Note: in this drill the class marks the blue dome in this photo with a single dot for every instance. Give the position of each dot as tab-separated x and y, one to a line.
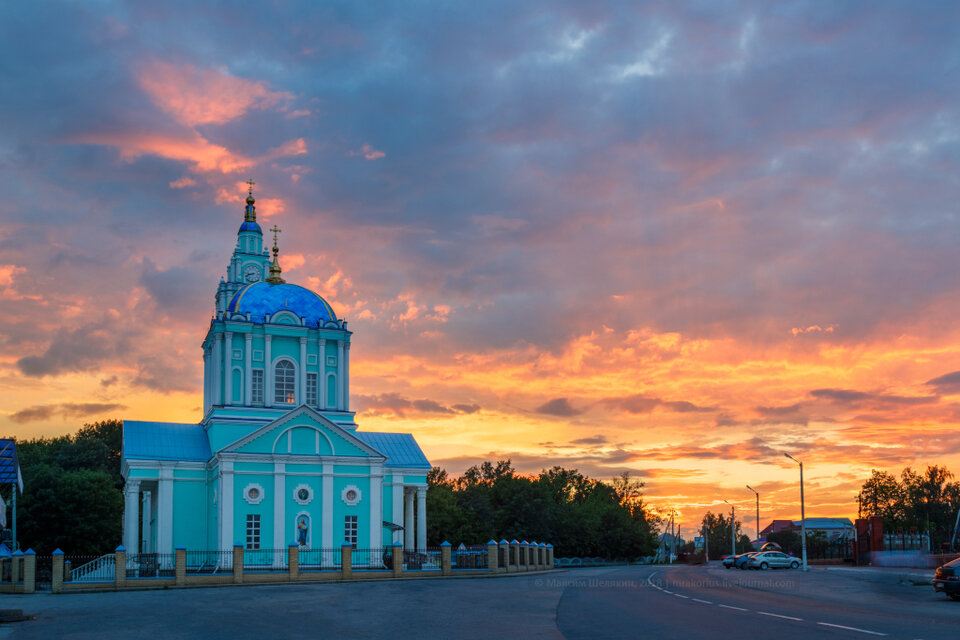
249	225
266	298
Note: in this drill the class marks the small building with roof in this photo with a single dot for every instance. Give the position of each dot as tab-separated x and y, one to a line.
277	457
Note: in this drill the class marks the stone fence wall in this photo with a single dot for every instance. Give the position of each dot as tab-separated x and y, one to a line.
121	570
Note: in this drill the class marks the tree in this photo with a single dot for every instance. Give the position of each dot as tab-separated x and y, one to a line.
717	528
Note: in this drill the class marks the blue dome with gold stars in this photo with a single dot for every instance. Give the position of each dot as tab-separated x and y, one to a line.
261	299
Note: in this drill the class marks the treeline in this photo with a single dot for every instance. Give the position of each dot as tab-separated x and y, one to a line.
579	516
72	491
926	501
716	528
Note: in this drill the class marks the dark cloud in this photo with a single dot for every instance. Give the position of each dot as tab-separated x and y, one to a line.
646	404
558	407
947	383
590	440
847	396
82	349
399	405
65	410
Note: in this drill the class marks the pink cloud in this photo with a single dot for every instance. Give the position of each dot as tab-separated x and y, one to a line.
368	152
193	148
205	96
185	181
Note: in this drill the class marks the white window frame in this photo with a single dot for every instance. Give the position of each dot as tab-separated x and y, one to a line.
351	530
253	531
312	395
279	398
256	390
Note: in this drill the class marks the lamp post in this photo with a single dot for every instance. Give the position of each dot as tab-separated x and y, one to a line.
758	515
803	522
733	529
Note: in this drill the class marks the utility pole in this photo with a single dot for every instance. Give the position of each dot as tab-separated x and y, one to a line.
733	529
758	515
803	521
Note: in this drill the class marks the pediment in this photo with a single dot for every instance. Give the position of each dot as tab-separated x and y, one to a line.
303	431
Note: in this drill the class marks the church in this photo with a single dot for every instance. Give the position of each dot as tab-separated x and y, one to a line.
277	458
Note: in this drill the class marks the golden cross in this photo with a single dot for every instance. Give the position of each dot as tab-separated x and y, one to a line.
275	230
250	183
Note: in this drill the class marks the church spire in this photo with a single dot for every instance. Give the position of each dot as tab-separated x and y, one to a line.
275	267
250	213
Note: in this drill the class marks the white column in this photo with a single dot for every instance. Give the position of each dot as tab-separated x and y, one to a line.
322	372
145	532
376	507
421	518
279	516
228	368
302	398
217	366
267	372
131	516
326	524
248	368
408	520
346	377
226	505
206	380
339	375
165	511
397	506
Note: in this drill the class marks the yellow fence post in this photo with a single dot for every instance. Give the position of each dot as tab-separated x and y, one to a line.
446	564
180	566
346	561
120	567
237	564
492	555
397	559
56	571
293	562
29	571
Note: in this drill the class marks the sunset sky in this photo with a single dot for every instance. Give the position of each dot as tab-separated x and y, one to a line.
609	236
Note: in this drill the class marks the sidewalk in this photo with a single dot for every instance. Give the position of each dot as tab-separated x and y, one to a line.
883	574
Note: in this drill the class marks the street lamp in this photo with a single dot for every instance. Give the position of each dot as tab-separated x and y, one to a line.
758	514
803	522
733	529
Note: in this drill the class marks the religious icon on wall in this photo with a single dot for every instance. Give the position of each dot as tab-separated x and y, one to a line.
303	529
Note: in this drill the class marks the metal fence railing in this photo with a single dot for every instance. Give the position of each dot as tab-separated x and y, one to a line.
265	560
320	559
209	562
369	559
90	568
469	558
151	565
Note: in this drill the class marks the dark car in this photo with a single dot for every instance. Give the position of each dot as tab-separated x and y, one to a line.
947	579
740	562
727	561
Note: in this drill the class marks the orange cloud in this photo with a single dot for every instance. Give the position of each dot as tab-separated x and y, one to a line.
190	147
183	182
368	152
204	96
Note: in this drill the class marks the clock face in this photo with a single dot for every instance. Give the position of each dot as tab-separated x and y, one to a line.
251	273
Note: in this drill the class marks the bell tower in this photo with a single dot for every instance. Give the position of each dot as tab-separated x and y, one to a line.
250	262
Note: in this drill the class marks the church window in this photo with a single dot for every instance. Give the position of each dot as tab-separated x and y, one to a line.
256	395
350	530
253	531
312	389
286	381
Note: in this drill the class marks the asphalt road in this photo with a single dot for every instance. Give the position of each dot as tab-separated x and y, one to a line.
614	602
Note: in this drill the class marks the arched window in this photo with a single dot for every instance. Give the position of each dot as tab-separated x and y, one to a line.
285	384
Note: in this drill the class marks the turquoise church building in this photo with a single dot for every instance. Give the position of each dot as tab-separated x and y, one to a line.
277	458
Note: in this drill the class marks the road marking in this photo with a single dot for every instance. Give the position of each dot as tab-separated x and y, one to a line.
670	592
699	600
680	596
840	626
726	606
777	615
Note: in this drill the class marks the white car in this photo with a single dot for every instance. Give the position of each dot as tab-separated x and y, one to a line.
773	560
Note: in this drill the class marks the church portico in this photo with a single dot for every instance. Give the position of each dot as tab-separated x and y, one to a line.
277	458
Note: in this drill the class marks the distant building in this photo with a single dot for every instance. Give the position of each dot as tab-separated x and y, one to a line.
832	528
